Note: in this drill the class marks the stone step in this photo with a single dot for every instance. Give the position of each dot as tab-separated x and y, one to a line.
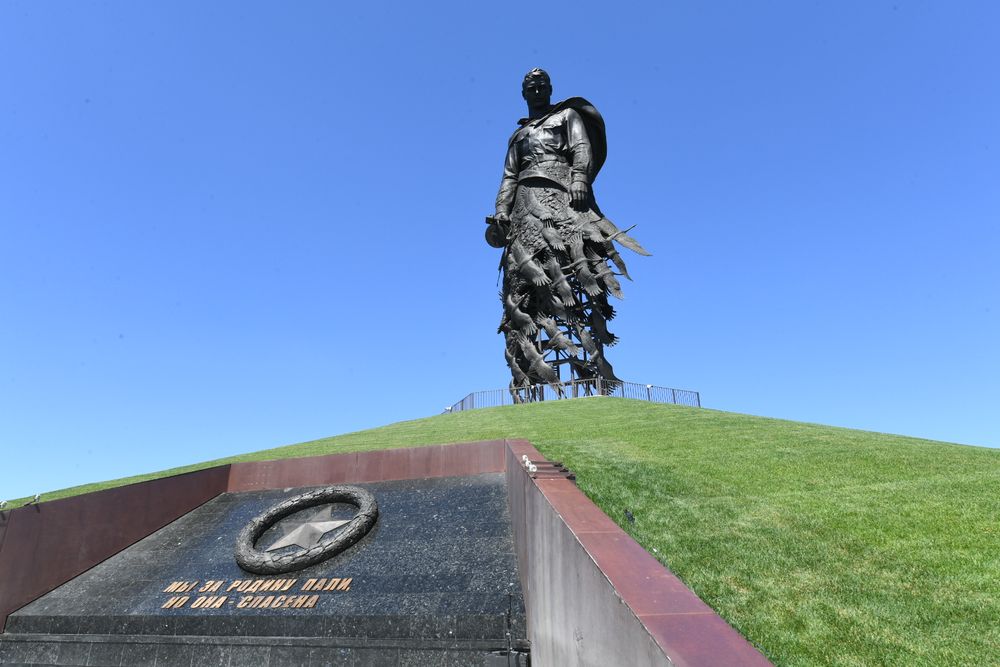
194	650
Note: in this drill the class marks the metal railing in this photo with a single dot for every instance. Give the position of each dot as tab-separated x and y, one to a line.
576	389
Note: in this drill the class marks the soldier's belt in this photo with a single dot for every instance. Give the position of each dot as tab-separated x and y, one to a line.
553	170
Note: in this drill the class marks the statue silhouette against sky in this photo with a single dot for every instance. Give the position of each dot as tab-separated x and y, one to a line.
556	243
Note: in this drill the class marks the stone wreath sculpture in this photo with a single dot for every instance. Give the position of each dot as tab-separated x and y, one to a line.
261	562
557	245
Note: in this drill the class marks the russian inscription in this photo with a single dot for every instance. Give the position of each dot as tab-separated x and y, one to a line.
203	596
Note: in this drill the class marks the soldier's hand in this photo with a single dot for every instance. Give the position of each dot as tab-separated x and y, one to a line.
501	218
578	192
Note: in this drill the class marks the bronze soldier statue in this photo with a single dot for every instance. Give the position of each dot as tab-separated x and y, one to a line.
557	244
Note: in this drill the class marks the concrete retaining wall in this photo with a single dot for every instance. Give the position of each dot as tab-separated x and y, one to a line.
593	595
574	615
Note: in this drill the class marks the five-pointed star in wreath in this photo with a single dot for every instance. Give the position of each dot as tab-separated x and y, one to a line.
307	533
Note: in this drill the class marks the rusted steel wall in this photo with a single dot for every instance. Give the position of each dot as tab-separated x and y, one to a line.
469	458
4	518
47	544
593	595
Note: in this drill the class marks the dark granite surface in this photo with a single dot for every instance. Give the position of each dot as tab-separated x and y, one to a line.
151	652
433	575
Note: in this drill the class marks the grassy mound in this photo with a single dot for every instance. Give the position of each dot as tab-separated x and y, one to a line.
823	546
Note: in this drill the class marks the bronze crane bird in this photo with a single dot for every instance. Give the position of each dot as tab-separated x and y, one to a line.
604	368
622	237
604	274
559	283
518	318
519	378
536	362
557	339
587	279
612	253
556	308
581	266
586	340
523	262
606	309
553	238
600	328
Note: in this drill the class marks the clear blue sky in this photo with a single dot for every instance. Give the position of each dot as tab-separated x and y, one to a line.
234	225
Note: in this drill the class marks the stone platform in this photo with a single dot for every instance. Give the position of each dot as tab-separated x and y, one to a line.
434	583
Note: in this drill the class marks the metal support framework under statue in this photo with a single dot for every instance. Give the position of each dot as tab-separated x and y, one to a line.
557	245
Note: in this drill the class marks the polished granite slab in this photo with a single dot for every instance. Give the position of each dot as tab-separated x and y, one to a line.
434	582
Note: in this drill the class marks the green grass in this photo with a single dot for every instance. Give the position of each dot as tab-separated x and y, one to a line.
823	546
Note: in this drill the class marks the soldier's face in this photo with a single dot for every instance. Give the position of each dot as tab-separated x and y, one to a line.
536	91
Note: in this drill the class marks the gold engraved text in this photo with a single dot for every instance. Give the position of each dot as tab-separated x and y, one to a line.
277	602
180	587
327	585
209	602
